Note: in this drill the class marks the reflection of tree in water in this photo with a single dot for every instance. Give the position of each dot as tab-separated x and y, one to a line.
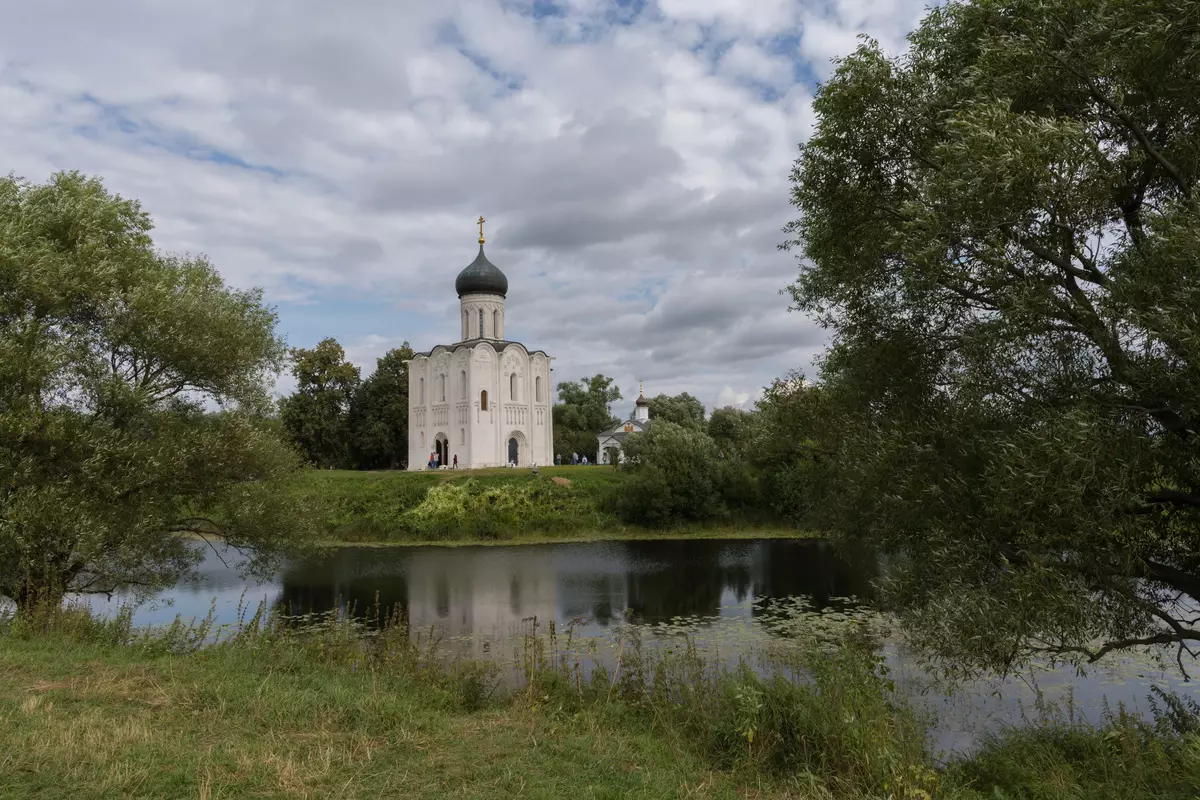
814	569
682	578
596	596
322	585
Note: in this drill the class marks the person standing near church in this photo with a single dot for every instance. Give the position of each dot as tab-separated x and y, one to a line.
456	460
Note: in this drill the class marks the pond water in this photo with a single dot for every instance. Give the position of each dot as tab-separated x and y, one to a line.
728	595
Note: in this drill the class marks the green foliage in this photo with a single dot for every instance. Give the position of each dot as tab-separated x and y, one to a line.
378	416
676	476
1003	231
1125	758
731	429
109	352
784	448
582	411
317	416
489	511
681	409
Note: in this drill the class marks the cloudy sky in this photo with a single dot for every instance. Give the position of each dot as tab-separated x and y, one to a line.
631	157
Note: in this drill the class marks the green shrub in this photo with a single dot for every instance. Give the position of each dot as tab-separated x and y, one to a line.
676	476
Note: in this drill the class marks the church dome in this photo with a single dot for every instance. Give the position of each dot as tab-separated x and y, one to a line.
481	277
641	401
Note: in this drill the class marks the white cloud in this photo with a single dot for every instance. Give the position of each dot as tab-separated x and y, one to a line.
631	158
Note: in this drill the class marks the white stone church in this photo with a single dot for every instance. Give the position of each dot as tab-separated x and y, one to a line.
483	399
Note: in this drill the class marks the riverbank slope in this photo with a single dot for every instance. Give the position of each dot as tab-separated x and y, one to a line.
495	506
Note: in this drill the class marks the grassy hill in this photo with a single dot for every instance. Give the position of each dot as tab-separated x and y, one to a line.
490	505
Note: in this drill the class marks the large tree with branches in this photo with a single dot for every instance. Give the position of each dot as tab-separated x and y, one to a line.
133	388
1002	232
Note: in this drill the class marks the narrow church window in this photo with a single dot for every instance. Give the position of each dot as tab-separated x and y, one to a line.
537	388
481	333
463	378
496	324
443	376
462	435
483	400
421	396
465	334
512	386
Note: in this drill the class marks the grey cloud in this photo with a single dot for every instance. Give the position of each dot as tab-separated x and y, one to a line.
588	163
635	243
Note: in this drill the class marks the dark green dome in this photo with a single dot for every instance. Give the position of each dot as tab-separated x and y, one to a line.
481	277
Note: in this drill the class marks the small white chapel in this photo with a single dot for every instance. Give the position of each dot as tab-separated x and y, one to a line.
483	400
610	443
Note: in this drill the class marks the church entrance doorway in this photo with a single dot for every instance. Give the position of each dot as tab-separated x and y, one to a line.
441	447
513	451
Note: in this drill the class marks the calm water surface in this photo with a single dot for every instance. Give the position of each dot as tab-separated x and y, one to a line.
724	594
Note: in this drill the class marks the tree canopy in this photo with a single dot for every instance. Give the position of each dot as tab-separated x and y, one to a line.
1003	233
378	415
676	475
317	416
681	409
584	408
113	358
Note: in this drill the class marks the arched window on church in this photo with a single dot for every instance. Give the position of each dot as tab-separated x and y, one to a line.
483	400
443	382
421	396
462	435
496	324
512	386
481	333
465	334
462	379
537	388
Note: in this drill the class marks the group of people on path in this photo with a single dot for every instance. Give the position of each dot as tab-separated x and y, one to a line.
574	460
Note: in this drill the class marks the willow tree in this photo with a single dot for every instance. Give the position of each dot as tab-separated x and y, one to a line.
1002	232
132	390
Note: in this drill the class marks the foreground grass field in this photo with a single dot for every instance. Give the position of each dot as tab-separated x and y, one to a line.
95	722
493	506
93	710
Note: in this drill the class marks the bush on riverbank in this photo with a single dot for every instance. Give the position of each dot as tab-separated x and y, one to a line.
285	711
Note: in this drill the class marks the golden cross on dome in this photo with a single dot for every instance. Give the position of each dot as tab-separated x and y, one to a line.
480	222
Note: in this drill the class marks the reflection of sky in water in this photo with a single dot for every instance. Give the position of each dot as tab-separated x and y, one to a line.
719	592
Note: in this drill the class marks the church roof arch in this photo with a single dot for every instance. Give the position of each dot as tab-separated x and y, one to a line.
497	346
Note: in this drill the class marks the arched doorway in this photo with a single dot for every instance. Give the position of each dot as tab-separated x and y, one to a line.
441	446
516	449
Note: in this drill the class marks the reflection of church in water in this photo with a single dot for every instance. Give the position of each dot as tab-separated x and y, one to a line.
496	591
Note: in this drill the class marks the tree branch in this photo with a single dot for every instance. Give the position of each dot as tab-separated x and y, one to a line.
1138	133
1173	497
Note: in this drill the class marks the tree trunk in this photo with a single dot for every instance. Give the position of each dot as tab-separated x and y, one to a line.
30	597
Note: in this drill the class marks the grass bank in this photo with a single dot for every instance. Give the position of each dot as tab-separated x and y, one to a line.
497	506
94	710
